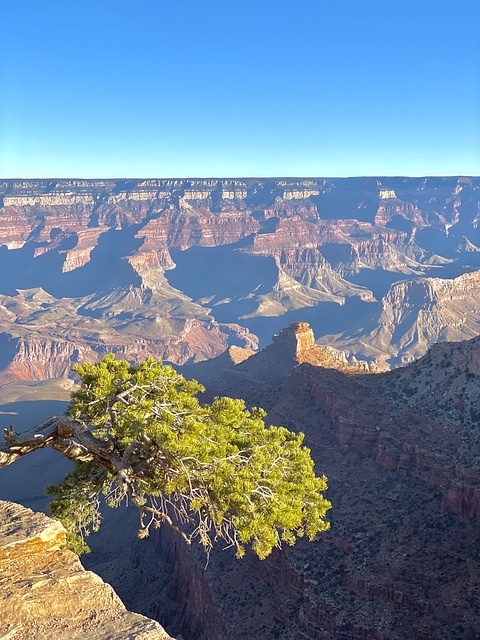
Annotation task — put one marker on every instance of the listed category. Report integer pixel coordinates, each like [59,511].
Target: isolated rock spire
[296,339]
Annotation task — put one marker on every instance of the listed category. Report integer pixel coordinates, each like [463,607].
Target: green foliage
[215,468]
[77,503]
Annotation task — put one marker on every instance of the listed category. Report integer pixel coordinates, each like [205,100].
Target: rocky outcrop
[414,315]
[260,374]
[299,342]
[297,339]
[46,593]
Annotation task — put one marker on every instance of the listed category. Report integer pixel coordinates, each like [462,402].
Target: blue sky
[109,88]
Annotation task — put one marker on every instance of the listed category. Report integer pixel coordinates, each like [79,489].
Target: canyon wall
[400,450]
[184,269]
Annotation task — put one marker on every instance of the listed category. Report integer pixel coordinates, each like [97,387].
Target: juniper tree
[139,434]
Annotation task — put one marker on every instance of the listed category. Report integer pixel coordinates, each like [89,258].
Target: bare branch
[69,437]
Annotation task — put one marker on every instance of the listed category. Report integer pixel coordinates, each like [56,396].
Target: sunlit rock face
[46,593]
[185,269]
[297,338]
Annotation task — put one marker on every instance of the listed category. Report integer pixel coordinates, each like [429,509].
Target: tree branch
[69,437]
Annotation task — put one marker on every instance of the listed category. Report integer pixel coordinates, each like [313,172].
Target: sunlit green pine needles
[216,471]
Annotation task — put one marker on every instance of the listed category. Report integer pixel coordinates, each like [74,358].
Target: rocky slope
[402,454]
[44,336]
[46,593]
[412,316]
[421,420]
[183,269]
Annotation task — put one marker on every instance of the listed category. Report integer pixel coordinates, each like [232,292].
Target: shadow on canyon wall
[107,266]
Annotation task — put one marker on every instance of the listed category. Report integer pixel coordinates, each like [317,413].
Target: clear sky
[162,88]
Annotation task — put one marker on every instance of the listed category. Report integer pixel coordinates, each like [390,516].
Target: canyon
[381,268]
[371,287]
[401,450]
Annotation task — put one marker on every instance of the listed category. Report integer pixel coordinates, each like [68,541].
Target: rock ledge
[45,592]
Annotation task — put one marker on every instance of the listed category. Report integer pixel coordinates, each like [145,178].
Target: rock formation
[184,269]
[45,592]
[299,342]
[263,373]
[414,315]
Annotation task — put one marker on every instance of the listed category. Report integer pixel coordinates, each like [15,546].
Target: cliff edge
[45,592]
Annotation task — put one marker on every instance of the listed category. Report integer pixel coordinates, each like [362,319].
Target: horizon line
[240,177]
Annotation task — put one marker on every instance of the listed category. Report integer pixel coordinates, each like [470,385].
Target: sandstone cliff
[201,265]
[45,592]
[414,315]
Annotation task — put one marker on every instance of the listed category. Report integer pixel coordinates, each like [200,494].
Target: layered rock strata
[413,316]
[240,257]
[45,592]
